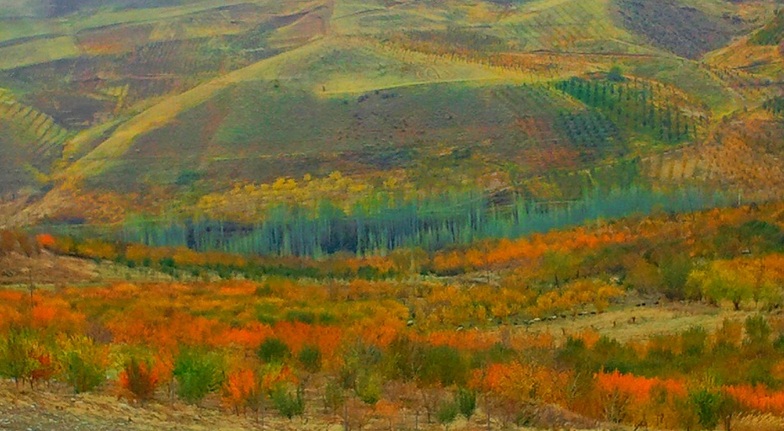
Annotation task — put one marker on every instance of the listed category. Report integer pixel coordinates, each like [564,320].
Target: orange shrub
[522,382]
[56,314]
[468,340]
[639,388]
[250,336]
[139,380]
[757,398]
[45,240]
[97,249]
[240,390]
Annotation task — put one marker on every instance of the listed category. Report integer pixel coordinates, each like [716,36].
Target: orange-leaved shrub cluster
[758,398]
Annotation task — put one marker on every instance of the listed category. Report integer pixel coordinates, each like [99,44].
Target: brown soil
[55,409]
[48,270]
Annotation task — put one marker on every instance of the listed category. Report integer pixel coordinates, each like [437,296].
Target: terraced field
[743,155]
[31,141]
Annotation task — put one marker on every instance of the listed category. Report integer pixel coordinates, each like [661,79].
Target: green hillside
[131,95]
[392,214]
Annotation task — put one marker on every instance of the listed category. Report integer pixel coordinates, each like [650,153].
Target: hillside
[392,214]
[186,99]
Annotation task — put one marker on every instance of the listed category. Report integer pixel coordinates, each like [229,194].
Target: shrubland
[435,336]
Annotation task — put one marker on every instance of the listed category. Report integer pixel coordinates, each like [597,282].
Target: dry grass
[630,322]
[37,51]
[758,422]
[56,408]
[48,271]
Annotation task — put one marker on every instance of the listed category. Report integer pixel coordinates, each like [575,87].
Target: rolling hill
[389,214]
[181,99]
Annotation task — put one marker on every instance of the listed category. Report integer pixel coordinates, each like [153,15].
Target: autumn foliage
[758,398]
[402,349]
[241,390]
[140,379]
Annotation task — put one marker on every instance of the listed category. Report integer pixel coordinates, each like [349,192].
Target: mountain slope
[249,91]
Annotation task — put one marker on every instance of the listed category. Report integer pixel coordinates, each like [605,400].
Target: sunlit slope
[322,77]
[349,64]
[756,60]
[157,95]
[744,154]
[30,143]
[106,31]
[550,39]
[313,108]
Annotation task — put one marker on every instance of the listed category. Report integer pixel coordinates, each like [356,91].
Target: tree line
[430,224]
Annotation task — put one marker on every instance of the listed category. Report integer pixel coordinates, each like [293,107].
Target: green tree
[685,412]
[16,359]
[310,358]
[82,372]
[287,403]
[674,270]
[274,350]
[559,266]
[405,358]
[758,332]
[83,362]
[198,373]
[466,402]
[694,341]
[447,413]
[443,365]
[368,387]
[719,283]
[707,404]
